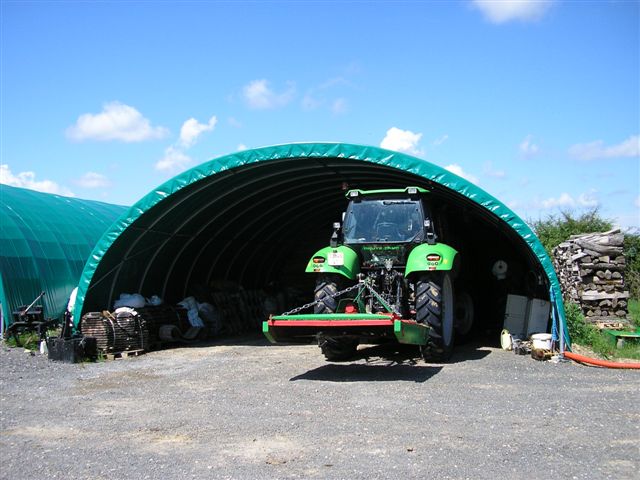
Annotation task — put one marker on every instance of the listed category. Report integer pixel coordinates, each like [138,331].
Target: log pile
[591,271]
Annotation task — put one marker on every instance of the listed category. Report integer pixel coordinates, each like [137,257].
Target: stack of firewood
[591,271]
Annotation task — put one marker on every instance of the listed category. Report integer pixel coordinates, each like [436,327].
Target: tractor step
[305,328]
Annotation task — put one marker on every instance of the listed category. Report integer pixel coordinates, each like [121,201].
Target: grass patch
[26,340]
[634,311]
[587,335]
[29,340]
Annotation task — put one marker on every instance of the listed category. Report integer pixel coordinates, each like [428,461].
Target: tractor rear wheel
[326,288]
[434,307]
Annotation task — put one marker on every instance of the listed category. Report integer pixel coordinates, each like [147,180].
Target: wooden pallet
[610,325]
[125,354]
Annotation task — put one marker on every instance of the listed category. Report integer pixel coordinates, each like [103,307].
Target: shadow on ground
[358,372]
[391,362]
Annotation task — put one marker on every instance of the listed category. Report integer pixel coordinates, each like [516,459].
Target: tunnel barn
[255,217]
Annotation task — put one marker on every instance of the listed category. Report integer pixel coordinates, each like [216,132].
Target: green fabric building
[45,241]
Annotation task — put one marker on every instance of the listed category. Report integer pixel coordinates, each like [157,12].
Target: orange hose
[600,363]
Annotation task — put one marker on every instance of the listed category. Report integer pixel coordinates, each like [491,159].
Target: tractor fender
[418,262]
[341,260]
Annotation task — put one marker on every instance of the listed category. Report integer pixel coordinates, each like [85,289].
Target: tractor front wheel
[337,349]
[434,307]
[326,288]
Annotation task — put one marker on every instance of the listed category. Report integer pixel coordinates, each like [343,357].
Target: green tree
[554,230]
[632,267]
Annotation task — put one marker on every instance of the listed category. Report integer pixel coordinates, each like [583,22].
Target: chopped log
[595,295]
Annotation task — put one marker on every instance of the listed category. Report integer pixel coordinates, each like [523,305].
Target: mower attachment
[365,326]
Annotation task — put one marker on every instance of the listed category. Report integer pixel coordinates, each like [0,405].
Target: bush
[579,331]
[632,268]
[554,230]
[634,312]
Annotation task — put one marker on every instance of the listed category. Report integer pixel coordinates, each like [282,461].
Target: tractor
[384,277]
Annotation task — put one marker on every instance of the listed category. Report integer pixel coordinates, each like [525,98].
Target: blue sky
[536,102]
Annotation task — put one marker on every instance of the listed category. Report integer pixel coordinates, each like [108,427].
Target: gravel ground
[248,410]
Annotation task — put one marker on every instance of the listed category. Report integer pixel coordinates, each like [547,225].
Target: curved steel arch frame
[394,160]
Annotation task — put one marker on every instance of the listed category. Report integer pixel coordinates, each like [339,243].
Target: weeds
[634,312]
[29,340]
[588,335]
[26,340]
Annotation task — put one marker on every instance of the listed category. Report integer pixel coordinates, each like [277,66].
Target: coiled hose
[600,363]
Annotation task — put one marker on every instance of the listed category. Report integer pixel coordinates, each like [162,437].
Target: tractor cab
[384,225]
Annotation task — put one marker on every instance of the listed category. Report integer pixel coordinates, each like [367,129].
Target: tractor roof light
[412,190]
[354,193]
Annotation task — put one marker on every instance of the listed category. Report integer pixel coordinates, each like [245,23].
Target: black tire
[337,349]
[326,288]
[464,315]
[434,307]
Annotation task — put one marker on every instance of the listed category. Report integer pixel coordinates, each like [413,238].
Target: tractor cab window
[372,221]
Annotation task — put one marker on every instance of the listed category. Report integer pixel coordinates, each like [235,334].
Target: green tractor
[384,277]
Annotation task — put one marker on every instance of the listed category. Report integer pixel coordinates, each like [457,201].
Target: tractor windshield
[375,221]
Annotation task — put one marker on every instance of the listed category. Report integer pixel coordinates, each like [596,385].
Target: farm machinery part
[399,281]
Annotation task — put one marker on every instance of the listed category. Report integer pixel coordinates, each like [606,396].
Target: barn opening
[249,222]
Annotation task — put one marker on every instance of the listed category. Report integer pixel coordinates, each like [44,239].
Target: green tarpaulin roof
[45,241]
[244,215]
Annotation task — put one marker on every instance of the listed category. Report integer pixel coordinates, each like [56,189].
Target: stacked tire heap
[591,271]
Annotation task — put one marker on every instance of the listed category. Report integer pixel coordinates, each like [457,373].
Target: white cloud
[565,200]
[191,130]
[458,170]
[402,141]
[339,106]
[242,147]
[441,140]
[490,171]
[527,148]
[94,180]
[597,150]
[258,95]
[502,11]
[117,121]
[174,160]
[589,199]
[28,180]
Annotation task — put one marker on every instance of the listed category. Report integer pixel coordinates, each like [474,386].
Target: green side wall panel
[140,246]
[45,241]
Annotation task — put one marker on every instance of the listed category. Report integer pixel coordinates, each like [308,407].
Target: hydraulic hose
[600,363]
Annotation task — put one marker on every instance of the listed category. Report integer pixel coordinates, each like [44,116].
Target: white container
[537,315]
[505,340]
[515,316]
[541,341]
